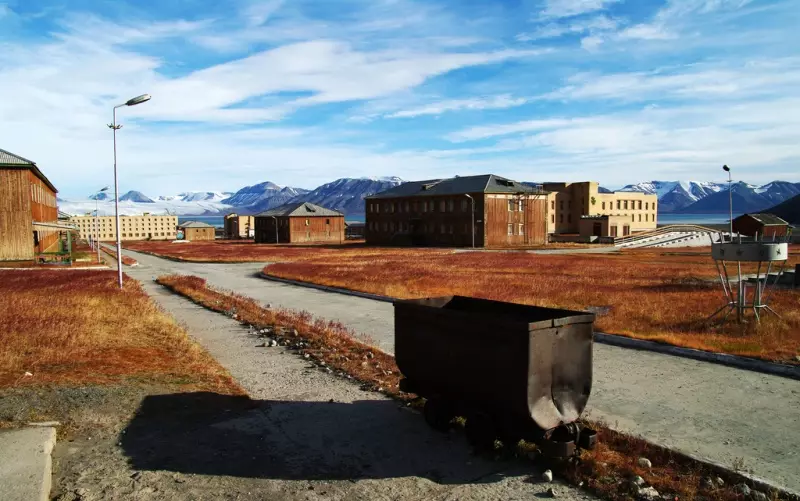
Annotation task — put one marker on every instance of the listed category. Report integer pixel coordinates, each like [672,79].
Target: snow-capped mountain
[675,195]
[746,198]
[196,196]
[102,195]
[345,195]
[130,208]
[265,194]
[135,196]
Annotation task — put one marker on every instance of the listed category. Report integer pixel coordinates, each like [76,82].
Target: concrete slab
[25,463]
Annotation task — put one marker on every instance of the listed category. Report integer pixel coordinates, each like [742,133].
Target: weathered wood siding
[16,223]
[423,221]
[265,230]
[44,210]
[197,234]
[316,229]
[527,220]
[747,225]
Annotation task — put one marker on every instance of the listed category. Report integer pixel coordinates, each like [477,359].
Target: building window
[626,205]
[408,205]
[521,229]
[647,206]
[510,229]
[552,205]
[633,218]
[561,218]
[425,206]
[307,222]
[328,221]
[569,218]
[604,206]
[451,229]
[464,205]
[561,204]
[510,205]
[553,219]
[640,218]
[442,228]
[519,205]
[391,226]
[640,205]
[646,216]
[451,205]
[569,204]
[442,206]
[619,204]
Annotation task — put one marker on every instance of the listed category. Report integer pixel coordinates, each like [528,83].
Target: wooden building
[440,212]
[196,231]
[28,212]
[299,223]
[237,226]
[764,225]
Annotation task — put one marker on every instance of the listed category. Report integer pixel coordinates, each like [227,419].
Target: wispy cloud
[478,103]
[554,9]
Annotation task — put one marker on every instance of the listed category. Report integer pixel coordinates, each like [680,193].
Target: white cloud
[487,131]
[555,30]
[569,8]
[496,102]
[647,32]
[258,12]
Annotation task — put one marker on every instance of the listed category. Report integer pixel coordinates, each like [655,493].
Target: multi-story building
[28,213]
[580,208]
[237,226]
[492,210]
[145,227]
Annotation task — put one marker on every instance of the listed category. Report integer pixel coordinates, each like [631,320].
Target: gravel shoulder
[724,414]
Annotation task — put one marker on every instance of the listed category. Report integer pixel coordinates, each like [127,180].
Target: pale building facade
[144,227]
[573,205]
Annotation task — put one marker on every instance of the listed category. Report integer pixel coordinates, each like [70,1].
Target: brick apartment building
[440,212]
[145,227]
[28,212]
[581,209]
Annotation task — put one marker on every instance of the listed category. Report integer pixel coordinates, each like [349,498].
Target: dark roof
[303,209]
[767,219]
[194,224]
[485,183]
[10,160]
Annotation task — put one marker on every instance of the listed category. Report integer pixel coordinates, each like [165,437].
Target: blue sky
[304,92]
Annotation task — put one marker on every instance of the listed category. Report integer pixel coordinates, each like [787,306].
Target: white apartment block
[144,227]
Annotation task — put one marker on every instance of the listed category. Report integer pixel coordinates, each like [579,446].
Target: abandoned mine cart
[513,371]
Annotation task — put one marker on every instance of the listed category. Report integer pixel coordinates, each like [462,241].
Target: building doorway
[597,229]
[626,230]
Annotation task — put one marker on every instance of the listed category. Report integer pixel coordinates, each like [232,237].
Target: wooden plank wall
[319,229]
[196,234]
[533,217]
[16,225]
[44,210]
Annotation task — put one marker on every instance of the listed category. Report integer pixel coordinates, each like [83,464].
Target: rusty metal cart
[513,371]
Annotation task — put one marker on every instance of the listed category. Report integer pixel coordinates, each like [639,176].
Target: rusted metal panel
[529,366]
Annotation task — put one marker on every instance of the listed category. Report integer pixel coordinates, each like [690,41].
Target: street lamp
[473,217]
[276,228]
[114,127]
[730,196]
[97,221]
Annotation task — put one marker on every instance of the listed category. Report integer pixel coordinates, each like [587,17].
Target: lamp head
[726,168]
[137,100]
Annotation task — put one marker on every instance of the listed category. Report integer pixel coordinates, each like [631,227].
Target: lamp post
[730,197]
[97,222]
[276,228]
[473,217]
[114,127]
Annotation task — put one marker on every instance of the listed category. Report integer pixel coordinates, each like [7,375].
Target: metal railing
[671,228]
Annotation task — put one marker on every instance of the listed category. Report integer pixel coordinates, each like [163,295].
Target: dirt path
[307,435]
[724,414]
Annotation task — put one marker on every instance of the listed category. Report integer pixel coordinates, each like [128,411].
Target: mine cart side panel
[463,356]
[559,373]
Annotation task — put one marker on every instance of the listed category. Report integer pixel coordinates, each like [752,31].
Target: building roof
[485,183]
[194,224]
[12,161]
[767,219]
[302,209]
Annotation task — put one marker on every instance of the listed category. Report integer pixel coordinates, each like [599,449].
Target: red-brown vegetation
[77,327]
[605,470]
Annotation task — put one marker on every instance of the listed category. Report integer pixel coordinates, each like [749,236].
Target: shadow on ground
[212,434]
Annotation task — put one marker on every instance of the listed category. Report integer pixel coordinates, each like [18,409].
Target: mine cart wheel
[438,413]
[480,430]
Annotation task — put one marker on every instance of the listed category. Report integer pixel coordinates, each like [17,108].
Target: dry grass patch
[78,327]
[654,295]
[607,470]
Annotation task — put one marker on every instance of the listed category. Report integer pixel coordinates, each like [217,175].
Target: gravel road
[724,414]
